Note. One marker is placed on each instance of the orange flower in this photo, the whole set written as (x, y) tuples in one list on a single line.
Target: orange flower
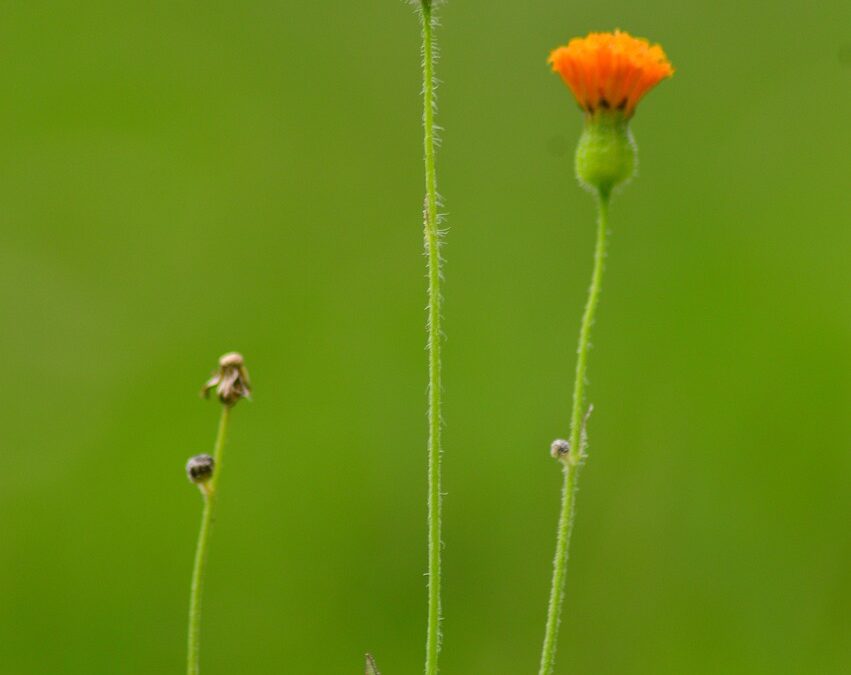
[(610, 70)]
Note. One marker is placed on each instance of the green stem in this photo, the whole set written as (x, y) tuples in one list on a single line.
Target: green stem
[(573, 461), (209, 492), (432, 240)]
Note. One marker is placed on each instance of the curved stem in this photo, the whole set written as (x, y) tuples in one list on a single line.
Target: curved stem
[(209, 491), (432, 242), (573, 461)]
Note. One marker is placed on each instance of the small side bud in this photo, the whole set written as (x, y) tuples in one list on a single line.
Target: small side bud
[(371, 668), (559, 448), (230, 380), (199, 469)]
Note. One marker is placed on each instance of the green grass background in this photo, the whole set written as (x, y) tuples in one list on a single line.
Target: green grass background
[(179, 179)]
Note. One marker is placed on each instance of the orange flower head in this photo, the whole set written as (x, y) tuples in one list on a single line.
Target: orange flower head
[(610, 70)]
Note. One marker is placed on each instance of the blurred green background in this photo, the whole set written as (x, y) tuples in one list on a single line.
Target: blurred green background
[(179, 179)]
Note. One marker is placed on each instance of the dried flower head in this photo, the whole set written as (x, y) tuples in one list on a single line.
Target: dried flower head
[(200, 469), (230, 380), (610, 70)]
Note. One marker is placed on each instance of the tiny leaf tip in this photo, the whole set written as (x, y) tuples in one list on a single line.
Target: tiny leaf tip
[(371, 668)]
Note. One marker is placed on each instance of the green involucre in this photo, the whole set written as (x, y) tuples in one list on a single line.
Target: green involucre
[(606, 155)]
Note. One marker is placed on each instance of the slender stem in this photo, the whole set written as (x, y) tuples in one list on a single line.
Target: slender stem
[(585, 329), (573, 461), (209, 492), (432, 241)]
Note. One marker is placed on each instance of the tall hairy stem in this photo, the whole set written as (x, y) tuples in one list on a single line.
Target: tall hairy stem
[(432, 244), (573, 460)]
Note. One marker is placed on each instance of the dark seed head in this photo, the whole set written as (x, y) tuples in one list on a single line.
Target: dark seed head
[(200, 468)]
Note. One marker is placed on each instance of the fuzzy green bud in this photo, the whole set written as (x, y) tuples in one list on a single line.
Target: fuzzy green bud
[(606, 155)]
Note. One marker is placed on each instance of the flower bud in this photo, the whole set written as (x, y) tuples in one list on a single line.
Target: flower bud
[(200, 469), (559, 448)]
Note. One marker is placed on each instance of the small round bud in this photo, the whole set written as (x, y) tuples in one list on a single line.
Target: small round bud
[(200, 468), (606, 155), (559, 448)]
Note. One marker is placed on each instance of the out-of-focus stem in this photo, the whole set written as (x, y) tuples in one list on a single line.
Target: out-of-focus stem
[(209, 491)]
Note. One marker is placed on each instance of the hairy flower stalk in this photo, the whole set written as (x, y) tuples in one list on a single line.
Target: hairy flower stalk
[(432, 244), (231, 384), (371, 668), (608, 74)]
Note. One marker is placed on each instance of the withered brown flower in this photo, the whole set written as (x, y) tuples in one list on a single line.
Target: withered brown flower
[(230, 380)]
